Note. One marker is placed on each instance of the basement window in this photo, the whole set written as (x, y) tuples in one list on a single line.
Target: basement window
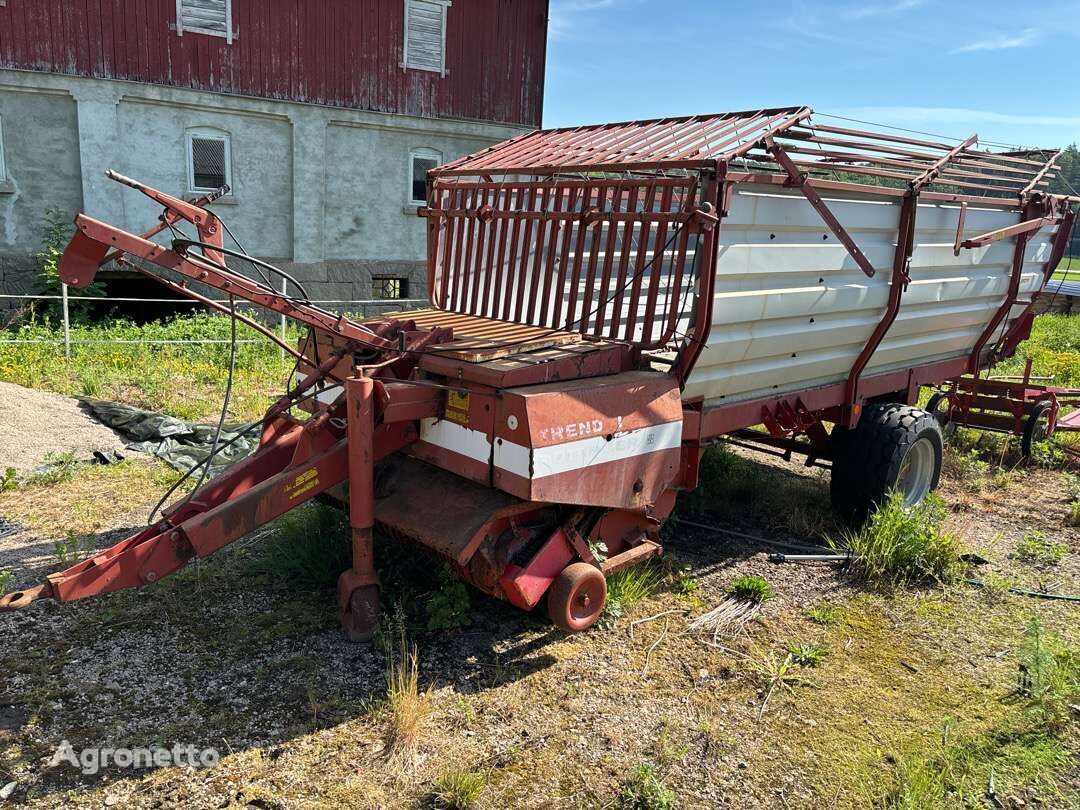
[(420, 162), (213, 17), (425, 35), (209, 160), (389, 287)]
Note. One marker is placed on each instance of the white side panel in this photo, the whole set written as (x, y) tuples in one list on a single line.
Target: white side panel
[(793, 310)]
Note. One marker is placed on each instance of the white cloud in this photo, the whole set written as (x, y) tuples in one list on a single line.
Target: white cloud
[(564, 15), (884, 9), (1001, 42)]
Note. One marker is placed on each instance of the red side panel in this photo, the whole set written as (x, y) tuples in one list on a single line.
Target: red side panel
[(613, 441)]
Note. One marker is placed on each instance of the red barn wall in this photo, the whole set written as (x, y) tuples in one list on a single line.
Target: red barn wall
[(336, 52)]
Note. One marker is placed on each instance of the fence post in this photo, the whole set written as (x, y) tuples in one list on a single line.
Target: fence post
[(67, 320)]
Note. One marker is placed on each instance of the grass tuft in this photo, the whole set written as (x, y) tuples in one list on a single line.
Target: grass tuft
[(1038, 549), (824, 614), (409, 708), (900, 545), (807, 655), (645, 790), (58, 467), (751, 588), (629, 586), (458, 789), (306, 548), (1049, 678)]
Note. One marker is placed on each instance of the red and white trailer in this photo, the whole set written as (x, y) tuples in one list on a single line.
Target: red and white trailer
[(607, 301)]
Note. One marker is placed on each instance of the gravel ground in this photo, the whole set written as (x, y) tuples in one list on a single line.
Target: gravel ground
[(218, 656), (36, 423)]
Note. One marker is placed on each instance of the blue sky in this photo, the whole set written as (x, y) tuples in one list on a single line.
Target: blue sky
[(1002, 69)]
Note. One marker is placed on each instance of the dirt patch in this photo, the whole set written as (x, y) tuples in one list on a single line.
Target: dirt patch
[(36, 423)]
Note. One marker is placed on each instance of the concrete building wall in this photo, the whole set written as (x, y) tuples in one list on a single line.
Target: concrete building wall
[(323, 191), (41, 159)]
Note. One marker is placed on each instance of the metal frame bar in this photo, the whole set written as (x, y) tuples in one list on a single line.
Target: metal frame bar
[(905, 237), (802, 182)]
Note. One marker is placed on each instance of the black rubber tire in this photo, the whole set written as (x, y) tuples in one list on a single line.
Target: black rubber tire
[(938, 407), (1033, 430), (867, 458)]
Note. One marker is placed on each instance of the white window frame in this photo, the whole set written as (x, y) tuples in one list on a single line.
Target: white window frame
[(208, 133), (229, 33), (421, 152), (442, 71), (3, 164)]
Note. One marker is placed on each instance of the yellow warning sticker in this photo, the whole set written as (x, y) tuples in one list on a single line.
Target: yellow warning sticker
[(305, 482), (457, 407)]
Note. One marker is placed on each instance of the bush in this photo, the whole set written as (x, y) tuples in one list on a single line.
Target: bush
[(55, 234), (899, 544)]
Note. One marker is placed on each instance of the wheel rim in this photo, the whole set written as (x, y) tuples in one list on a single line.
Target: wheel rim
[(586, 601), (916, 472)]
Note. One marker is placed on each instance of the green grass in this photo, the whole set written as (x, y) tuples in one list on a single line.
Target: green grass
[(1054, 347), (751, 588), (183, 380), (306, 548), (901, 545), (824, 614), (1036, 548), (731, 486), (1027, 749), (629, 586), (807, 655), (458, 789), (645, 790), (1069, 268)]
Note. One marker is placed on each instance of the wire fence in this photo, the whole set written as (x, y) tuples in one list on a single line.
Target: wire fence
[(361, 306)]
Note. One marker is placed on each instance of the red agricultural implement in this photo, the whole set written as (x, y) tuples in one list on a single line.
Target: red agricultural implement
[(1011, 405), (606, 302)]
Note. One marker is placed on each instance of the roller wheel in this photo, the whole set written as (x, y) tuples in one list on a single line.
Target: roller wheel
[(1036, 428), (893, 446), (576, 598)]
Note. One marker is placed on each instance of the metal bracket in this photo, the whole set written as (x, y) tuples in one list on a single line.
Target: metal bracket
[(801, 181), (905, 241)]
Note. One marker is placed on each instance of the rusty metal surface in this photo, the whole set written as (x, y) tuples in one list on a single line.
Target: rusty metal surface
[(336, 52), (663, 143), (741, 141), (567, 362), (438, 509)]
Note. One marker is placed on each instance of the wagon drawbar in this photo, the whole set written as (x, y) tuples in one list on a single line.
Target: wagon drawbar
[(606, 301)]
